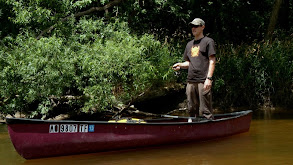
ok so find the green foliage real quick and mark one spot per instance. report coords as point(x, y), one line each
point(100, 62)
point(164, 19)
point(233, 21)
point(104, 64)
point(37, 15)
point(257, 74)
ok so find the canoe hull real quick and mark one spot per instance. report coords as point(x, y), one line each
point(46, 139)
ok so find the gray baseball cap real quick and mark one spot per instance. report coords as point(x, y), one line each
point(197, 21)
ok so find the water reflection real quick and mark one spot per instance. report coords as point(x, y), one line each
point(269, 141)
point(210, 152)
point(269, 114)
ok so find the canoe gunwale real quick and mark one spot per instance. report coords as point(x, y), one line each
point(38, 121)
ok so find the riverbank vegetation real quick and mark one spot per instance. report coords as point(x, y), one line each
point(96, 67)
point(255, 75)
point(91, 56)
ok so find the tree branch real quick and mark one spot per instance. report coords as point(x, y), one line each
point(79, 14)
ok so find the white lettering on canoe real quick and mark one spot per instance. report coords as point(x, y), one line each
point(54, 128)
point(68, 128)
point(83, 128)
point(71, 128)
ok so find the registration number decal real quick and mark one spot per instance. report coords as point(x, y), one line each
point(71, 128)
point(68, 128)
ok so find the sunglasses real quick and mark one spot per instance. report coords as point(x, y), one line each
point(195, 26)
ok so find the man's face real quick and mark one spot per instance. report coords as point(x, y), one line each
point(197, 30)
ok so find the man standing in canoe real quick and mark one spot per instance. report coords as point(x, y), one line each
point(200, 60)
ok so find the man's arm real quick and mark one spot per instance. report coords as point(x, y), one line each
point(181, 65)
point(212, 64)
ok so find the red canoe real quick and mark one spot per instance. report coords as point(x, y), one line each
point(33, 138)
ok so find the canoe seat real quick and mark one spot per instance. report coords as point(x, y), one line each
point(127, 120)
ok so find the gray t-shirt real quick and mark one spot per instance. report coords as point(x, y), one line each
point(197, 52)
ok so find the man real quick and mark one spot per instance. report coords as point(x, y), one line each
point(199, 56)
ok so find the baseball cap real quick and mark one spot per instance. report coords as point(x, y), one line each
point(197, 21)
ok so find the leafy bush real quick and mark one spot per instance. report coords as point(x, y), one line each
point(257, 74)
point(100, 65)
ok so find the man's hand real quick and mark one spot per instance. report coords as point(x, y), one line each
point(176, 66)
point(207, 84)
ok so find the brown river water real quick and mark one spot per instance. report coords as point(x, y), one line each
point(268, 142)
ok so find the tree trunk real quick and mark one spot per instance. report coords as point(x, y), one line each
point(273, 19)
